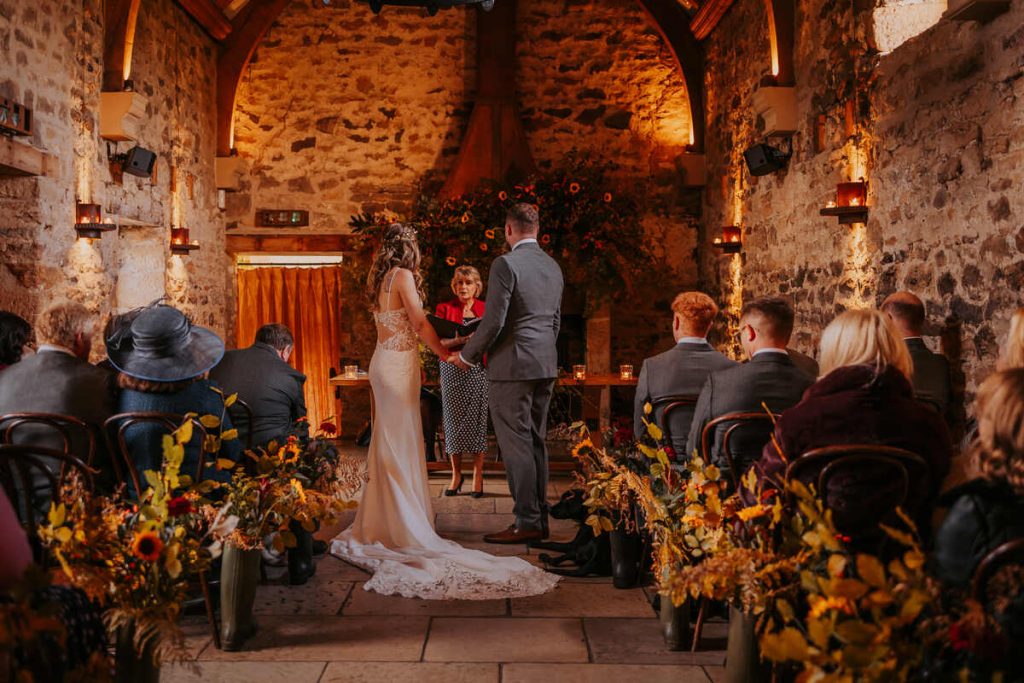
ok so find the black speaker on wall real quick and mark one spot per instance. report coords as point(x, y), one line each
point(763, 159)
point(139, 161)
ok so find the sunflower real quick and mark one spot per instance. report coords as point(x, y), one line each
point(483, 246)
point(465, 218)
point(451, 261)
point(574, 188)
point(147, 546)
point(503, 195)
point(545, 239)
point(607, 197)
point(489, 233)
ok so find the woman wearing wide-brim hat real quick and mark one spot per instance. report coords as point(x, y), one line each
point(164, 361)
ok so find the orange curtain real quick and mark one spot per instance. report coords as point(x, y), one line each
point(308, 301)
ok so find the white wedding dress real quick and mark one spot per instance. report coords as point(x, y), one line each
point(393, 534)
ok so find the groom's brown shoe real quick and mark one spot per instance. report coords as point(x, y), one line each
point(514, 534)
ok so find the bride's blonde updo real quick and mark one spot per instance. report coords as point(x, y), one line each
point(398, 249)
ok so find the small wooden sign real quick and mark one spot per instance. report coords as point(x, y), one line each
point(281, 218)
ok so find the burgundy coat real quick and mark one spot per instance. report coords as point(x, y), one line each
point(851, 405)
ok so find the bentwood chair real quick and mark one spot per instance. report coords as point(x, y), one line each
point(77, 437)
point(117, 426)
point(1005, 555)
point(673, 415)
point(862, 484)
point(32, 477)
point(743, 437)
point(242, 417)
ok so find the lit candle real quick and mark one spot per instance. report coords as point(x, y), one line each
point(579, 372)
point(351, 371)
point(625, 372)
point(179, 236)
point(831, 204)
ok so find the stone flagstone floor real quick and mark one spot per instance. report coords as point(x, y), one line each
point(331, 629)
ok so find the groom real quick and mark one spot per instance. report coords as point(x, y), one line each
point(518, 333)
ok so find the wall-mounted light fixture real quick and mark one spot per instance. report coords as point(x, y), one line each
point(851, 203)
point(180, 243)
point(731, 241)
point(89, 221)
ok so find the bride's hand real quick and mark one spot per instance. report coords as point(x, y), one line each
point(456, 341)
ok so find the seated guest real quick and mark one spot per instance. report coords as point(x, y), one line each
point(15, 335)
point(931, 370)
point(464, 392)
point(59, 379)
point(164, 361)
point(806, 363)
point(1012, 354)
point(770, 378)
point(683, 369)
point(273, 389)
point(863, 397)
point(989, 511)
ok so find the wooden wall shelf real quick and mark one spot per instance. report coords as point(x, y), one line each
point(20, 159)
point(847, 214)
point(283, 241)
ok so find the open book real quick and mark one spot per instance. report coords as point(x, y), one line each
point(446, 329)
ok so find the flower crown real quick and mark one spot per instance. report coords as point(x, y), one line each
point(406, 233)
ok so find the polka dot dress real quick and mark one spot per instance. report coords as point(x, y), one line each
point(464, 407)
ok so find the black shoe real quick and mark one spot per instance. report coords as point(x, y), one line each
point(455, 491)
point(320, 547)
point(477, 494)
point(300, 558)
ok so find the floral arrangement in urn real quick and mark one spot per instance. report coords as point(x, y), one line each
point(589, 224)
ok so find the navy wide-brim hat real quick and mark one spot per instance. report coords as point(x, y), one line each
point(162, 345)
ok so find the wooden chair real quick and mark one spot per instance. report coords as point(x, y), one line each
point(241, 409)
point(756, 430)
point(1009, 553)
point(861, 462)
point(26, 470)
point(65, 426)
point(115, 429)
point(672, 410)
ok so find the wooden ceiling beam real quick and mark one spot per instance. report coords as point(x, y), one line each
point(708, 16)
point(673, 24)
point(248, 29)
point(119, 19)
point(208, 15)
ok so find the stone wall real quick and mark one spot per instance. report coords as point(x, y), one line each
point(51, 58)
point(935, 127)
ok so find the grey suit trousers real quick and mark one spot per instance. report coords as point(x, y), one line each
point(519, 412)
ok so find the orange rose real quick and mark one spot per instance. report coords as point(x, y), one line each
point(607, 197)
point(465, 218)
point(451, 261)
point(503, 195)
point(574, 188)
point(489, 233)
point(483, 246)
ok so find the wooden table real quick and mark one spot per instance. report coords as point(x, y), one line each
point(604, 382)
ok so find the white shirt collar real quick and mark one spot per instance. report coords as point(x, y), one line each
point(906, 339)
point(55, 348)
point(525, 240)
point(760, 351)
point(692, 340)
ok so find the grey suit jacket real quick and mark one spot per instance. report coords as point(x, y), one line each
point(54, 382)
point(804, 362)
point(271, 387)
point(771, 378)
point(683, 369)
point(520, 325)
point(931, 375)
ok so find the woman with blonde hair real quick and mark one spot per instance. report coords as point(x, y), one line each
point(1012, 354)
point(464, 392)
point(393, 533)
point(863, 396)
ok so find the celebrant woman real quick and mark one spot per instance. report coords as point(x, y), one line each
point(464, 392)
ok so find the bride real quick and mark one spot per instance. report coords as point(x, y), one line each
point(393, 534)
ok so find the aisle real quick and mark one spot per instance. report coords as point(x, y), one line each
point(333, 630)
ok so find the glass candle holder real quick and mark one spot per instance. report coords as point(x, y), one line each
point(351, 372)
point(179, 236)
point(579, 372)
point(625, 372)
